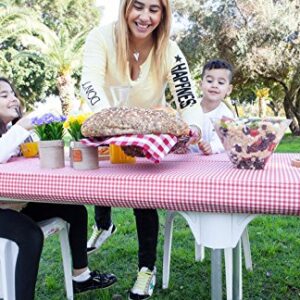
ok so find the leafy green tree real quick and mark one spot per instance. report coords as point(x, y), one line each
point(53, 63)
point(32, 78)
point(60, 52)
point(73, 15)
point(13, 21)
point(272, 42)
point(259, 37)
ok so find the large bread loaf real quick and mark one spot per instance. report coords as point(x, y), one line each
point(123, 120)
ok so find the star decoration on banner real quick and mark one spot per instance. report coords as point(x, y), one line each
point(178, 58)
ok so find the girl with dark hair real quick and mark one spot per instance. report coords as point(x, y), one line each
point(18, 221)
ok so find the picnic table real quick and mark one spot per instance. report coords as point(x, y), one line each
point(207, 185)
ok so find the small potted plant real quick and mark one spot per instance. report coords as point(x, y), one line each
point(82, 157)
point(49, 128)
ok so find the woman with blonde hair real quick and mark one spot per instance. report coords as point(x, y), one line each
point(136, 51)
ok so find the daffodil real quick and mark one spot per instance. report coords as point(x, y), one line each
point(73, 125)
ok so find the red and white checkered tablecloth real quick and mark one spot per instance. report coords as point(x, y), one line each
point(180, 182)
point(155, 146)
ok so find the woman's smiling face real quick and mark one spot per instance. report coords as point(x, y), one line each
point(9, 103)
point(144, 17)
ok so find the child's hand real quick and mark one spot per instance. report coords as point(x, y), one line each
point(195, 135)
point(205, 147)
point(25, 123)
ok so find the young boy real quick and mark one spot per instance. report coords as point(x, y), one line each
point(216, 85)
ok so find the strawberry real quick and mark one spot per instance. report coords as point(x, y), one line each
point(271, 147)
point(254, 132)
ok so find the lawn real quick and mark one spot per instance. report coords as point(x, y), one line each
point(289, 143)
point(275, 246)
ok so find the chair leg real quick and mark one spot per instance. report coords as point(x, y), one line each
point(199, 252)
point(9, 253)
point(167, 249)
point(247, 250)
point(241, 277)
point(1, 276)
point(1, 283)
point(228, 271)
point(67, 262)
point(237, 256)
point(228, 263)
point(228, 252)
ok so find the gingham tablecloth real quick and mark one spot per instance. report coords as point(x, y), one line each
point(181, 182)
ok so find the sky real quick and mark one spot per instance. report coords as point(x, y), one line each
point(111, 8)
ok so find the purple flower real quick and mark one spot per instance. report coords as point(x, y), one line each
point(62, 118)
point(47, 119)
point(34, 121)
point(49, 127)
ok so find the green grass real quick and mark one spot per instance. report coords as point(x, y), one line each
point(289, 143)
point(275, 246)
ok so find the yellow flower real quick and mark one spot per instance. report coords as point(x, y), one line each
point(263, 93)
point(73, 124)
point(77, 118)
point(72, 119)
point(66, 124)
point(81, 119)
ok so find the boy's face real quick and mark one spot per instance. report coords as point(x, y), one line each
point(215, 85)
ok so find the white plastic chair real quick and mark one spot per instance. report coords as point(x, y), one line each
point(196, 222)
point(9, 253)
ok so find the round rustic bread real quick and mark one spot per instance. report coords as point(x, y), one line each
point(125, 120)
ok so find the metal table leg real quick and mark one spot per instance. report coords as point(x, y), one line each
point(216, 274)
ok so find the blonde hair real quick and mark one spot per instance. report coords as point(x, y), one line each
point(161, 38)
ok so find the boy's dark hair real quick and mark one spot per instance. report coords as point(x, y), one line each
point(218, 64)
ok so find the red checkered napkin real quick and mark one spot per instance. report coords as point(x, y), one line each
point(154, 146)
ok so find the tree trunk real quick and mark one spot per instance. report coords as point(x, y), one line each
point(288, 108)
point(275, 109)
point(261, 107)
point(66, 91)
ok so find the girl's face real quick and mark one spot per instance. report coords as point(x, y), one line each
point(144, 17)
point(9, 103)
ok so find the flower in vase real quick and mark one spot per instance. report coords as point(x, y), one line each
point(73, 125)
point(49, 127)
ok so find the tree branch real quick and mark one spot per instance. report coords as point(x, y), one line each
point(241, 13)
point(282, 83)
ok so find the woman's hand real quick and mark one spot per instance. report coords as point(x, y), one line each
point(25, 123)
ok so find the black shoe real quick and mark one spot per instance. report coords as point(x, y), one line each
point(96, 281)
